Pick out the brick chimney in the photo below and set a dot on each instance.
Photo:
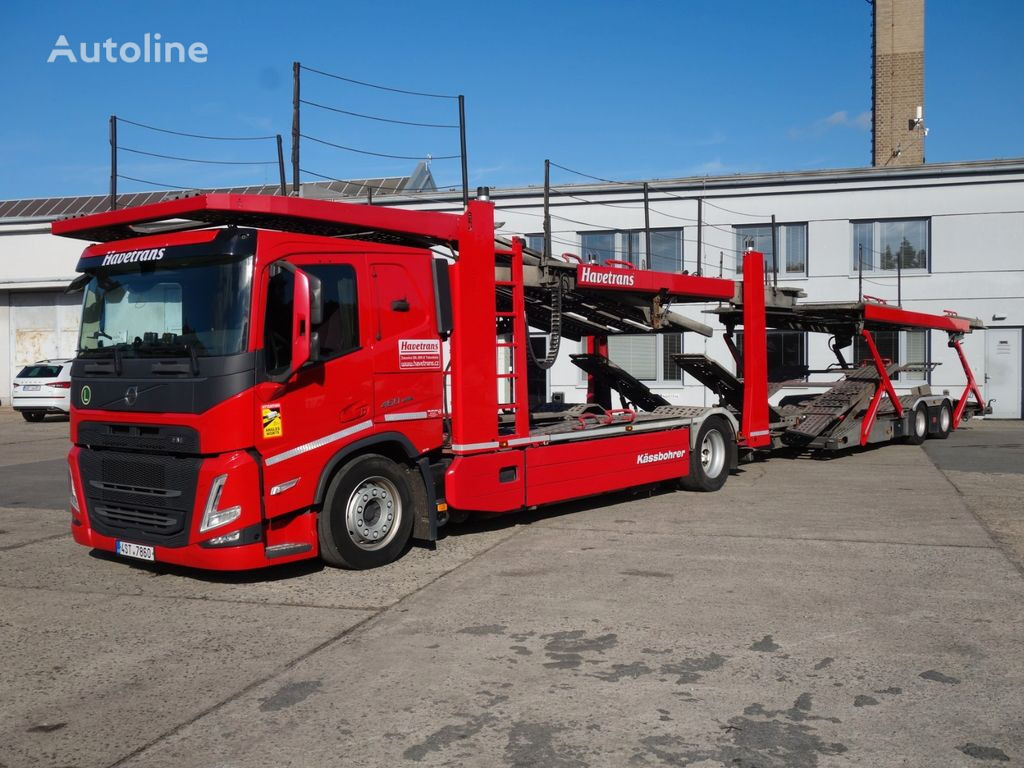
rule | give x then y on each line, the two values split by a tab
897	96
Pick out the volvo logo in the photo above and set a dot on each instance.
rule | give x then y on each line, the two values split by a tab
131	395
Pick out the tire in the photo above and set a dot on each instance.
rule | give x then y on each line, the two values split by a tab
353	527
33	416
711	456
945	422
918	425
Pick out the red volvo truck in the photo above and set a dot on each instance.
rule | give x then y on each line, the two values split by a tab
266	379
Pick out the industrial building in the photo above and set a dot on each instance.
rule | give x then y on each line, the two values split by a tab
925	236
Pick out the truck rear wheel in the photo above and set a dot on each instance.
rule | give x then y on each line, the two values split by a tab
918	425
710	457
945	425
368	513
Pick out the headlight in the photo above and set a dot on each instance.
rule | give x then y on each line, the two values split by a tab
213	517
72	492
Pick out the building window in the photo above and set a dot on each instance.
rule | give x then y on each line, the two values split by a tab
536	243
786	351
881	245
792	241
911	348
648	358
631	246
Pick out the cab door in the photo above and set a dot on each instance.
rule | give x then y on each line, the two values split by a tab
327	403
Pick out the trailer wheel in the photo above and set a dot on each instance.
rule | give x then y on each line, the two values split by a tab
945	421
709	459
368	513
918	425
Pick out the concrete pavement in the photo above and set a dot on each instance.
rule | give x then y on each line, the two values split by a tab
814	613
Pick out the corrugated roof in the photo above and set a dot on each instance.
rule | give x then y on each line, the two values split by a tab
46	208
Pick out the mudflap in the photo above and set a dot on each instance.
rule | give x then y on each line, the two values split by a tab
424	527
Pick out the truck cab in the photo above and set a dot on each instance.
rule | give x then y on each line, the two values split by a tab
219	372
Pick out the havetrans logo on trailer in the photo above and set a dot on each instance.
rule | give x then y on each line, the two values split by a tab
592	276
152	50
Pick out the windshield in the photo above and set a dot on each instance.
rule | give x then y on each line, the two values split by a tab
197	308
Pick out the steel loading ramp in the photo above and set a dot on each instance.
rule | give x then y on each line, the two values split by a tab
849	396
718	379
617	379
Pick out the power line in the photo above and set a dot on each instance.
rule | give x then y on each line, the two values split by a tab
195	160
656	189
193	135
378	87
378	154
377	118
153	183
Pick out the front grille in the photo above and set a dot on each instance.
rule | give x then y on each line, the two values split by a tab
146	498
139	437
159	522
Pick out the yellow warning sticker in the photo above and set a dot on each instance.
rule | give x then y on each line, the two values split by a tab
272	425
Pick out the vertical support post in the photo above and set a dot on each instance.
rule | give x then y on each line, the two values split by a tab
547	210
296	67
369	195
754	428
899	278
647	225
597	391
721	262
520	338
972	385
775	254
860	272
474	368
462	150
113	162
700	236
280	165
884	385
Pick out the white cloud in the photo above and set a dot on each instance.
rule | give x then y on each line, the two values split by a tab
838	119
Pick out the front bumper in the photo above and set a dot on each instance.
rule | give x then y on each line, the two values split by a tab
107	513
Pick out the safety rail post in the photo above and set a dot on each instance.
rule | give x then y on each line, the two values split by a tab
520	338
754	426
971	388
474	362
700	237
884	385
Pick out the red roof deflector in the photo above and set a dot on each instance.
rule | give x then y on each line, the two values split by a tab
844	317
288	214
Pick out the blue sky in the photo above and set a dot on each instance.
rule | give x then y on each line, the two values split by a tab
616	89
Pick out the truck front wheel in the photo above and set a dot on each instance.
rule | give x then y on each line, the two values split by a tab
368	512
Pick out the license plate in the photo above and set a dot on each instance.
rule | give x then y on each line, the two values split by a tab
31	387
139	551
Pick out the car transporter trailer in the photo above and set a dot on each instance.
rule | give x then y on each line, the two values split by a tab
263	380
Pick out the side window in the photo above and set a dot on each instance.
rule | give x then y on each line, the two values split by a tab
339	329
277	324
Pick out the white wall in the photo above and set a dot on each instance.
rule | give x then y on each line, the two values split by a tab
977	235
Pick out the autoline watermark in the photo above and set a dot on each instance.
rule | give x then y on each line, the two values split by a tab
152	50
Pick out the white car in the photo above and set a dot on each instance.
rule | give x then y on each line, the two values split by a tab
42	388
